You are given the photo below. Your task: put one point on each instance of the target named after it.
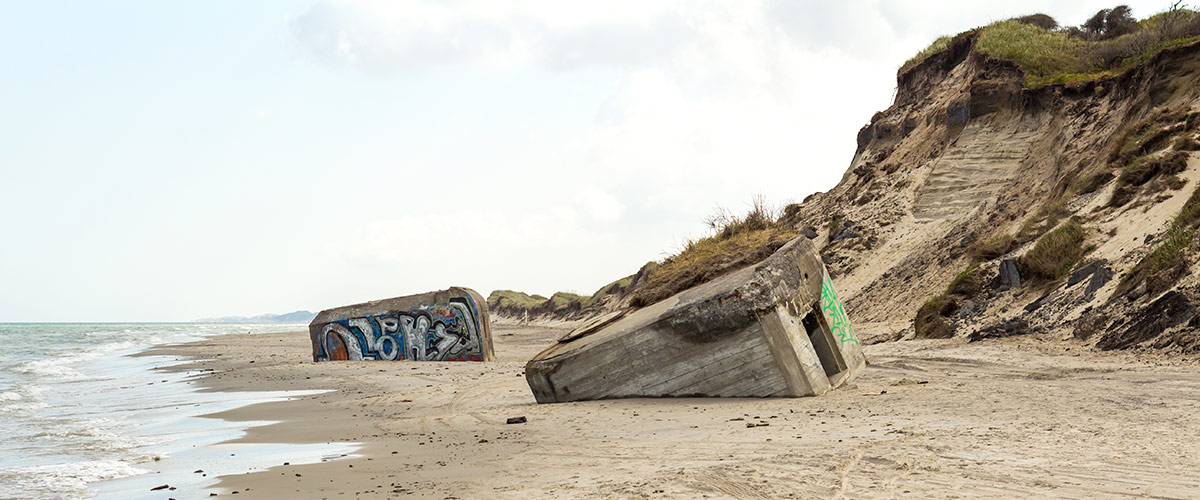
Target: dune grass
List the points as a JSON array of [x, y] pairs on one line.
[[1055, 253], [1069, 54], [1045, 56], [709, 258], [1092, 183], [930, 322], [966, 283], [1147, 135], [615, 287], [1045, 219], [500, 299], [736, 242], [932, 318], [942, 43], [992, 248], [1135, 151], [1168, 254]]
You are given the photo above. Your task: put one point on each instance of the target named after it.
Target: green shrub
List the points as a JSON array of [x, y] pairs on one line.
[[761, 216], [930, 322], [993, 247], [1042, 21], [1055, 253], [1109, 54], [1174, 23], [1111, 23], [966, 283]]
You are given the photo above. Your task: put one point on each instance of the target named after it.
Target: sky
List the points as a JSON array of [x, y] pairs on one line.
[[167, 161]]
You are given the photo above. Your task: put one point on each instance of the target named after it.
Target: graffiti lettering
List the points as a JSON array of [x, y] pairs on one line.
[[443, 332], [839, 323]]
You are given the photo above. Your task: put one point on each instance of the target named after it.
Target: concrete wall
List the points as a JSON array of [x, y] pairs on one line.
[[448, 325], [838, 323], [773, 329]]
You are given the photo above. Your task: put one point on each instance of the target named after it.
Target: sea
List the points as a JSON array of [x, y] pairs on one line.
[[82, 418]]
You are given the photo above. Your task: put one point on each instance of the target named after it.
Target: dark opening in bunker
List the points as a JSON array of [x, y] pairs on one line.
[[823, 342]]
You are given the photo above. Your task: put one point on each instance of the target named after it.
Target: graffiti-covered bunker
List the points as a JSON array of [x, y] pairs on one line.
[[775, 328], [448, 325]]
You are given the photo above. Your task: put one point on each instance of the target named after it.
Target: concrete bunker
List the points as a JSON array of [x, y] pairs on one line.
[[447, 325], [774, 329]]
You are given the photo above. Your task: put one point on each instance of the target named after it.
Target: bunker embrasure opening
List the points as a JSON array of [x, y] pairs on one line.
[[823, 342]]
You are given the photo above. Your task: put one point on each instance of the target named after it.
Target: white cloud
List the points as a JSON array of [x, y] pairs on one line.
[[531, 144], [711, 103], [388, 36]]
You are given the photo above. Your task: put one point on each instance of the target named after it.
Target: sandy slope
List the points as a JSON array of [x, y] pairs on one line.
[[931, 419]]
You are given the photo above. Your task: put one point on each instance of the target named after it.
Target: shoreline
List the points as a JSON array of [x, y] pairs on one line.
[[936, 419], [174, 419], [232, 363], [79, 409]]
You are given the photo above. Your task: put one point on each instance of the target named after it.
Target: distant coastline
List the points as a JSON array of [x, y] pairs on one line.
[[292, 317]]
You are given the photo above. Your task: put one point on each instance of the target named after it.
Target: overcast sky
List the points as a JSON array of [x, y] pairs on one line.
[[176, 160]]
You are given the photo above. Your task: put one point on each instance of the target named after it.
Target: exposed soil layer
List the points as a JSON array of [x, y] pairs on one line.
[[968, 169]]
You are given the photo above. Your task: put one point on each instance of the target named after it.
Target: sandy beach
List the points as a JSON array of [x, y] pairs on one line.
[[1014, 418]]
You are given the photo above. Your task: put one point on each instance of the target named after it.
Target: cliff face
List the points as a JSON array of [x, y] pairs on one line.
[[969, 170]]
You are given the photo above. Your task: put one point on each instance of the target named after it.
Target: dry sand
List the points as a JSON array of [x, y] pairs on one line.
[[1014, 418]]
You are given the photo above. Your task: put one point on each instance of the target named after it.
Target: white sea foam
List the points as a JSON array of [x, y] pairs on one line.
[[23, 400], [73, 410], [57, 368], [66, 480], [21, 407], [101, 436], [64, 367]]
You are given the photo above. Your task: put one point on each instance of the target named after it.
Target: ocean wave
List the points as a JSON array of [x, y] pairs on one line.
[[63, 367], [58, 368], [69, 397], [23, 400], [66, 480], [96, 435], [22, 407]]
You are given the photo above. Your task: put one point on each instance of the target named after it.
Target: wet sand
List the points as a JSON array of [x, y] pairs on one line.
[[1018, 417]]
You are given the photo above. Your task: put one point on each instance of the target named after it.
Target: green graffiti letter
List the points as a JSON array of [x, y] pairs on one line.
[[838, 322]]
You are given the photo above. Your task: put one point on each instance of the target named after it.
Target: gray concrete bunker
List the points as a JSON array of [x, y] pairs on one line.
[[447, 325], [774, 329]]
